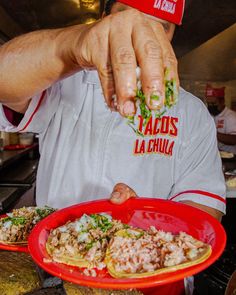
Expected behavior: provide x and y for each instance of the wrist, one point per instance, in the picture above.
(69, 43)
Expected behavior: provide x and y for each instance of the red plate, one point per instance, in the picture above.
(141, 212)
(17, 248)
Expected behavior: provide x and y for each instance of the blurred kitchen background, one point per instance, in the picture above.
(206, 49)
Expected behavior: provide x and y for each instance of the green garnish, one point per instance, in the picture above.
(130, 119)
(139, 236)
(144, 110)
(155, 97)
(159, 115)
(44, 212)
(135, 130)
(170, 93)
(89, 246)
(170, 100)
(126, 226)
(15, 220)
(102, 222)
(133, 235)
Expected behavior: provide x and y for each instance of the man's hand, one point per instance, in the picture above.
(229, 139)
(119, 43)
(122, 192)
(115, 46)
(213, 212)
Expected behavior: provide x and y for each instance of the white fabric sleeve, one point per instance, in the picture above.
(198, 176)
(39, 113)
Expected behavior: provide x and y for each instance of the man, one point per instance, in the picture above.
(225, 119)
(85, 148)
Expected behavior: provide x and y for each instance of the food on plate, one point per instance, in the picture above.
(84, 241)
(226, 155)
(98, 241)
(231, 182)
(17, 225)
(135, 253)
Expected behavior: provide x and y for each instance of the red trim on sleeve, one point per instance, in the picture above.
(198, 192)
(34, 112)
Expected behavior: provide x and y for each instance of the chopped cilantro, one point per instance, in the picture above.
(139, 236)
(15, 220)
(155, 97)
(102, 222)
(89, 245)
(126, 226)
(159, 115)
(145, 112)
(44, 212)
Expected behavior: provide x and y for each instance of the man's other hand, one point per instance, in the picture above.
(121, 193)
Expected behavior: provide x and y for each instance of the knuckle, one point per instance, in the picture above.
(159, 26)
(112, 18)
(95, 36)
(124, 56)
(152, 50)
(134, 13)
(98, 31)
(154, 84)
(93, 29)
(171, 59)
(105, 71)
(156, 79)
(124, 92)
(108, 87)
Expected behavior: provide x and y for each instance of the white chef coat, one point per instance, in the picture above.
(226, 123)
(86, 149)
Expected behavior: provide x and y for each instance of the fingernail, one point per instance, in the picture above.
(129, 108)
(115, 195)
(155, 99)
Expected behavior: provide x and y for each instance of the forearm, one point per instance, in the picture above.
(213, 212)
(33, 62)
(229, 139)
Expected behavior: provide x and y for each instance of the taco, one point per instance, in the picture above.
(17, 225)
(135, 253)
(83, 242)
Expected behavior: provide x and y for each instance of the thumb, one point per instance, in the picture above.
(121, 193)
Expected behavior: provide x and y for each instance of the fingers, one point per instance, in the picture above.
(100, 57)
(124, 65)
(107, 81)
(121, 193)
(120, 43)
(169, 58)
(150, 59)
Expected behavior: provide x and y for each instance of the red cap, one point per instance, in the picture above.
(214, 92)
(170, 10)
